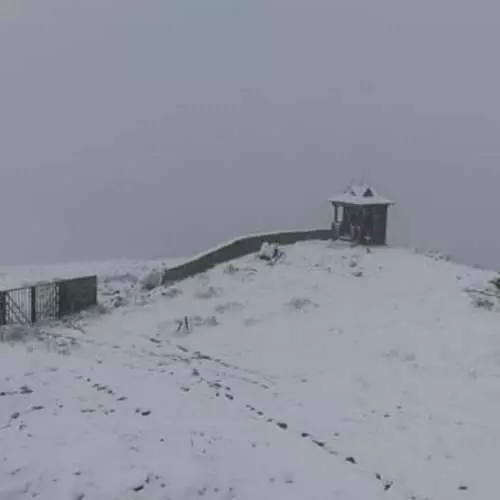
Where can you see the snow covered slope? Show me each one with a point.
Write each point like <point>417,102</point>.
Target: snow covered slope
<point>334,374</point>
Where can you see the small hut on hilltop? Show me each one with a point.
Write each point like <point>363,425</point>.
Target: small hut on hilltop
<point>360,216</point>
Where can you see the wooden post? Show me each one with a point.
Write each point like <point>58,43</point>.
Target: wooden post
<point>3,308</point>
<point>33,304</point>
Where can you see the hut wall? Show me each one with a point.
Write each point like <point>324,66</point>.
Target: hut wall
<point>380,225</point>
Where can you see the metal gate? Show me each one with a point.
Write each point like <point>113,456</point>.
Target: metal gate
<point>47,301</point>
<point>29,305</point>
<point>46,304</point>
<point>15,306</point>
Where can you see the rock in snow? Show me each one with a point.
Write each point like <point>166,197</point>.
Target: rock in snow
<point>152,280</point>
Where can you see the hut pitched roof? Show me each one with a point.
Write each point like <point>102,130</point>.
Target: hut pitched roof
<point>362,195</point>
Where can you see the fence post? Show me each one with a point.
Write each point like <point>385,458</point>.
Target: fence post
<point>3,308</point>
<point>33,304</point>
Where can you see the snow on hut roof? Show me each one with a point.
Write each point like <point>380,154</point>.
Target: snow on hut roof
<point>360,195</point>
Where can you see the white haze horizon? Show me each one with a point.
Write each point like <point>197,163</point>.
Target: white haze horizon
<point>160,129</point>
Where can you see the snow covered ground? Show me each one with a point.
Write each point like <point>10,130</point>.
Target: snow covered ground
<point>334,374</point>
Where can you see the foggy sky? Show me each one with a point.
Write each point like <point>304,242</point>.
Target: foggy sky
<point>158,128</point>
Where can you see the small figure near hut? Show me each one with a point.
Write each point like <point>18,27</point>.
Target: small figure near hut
<point>360,216</point>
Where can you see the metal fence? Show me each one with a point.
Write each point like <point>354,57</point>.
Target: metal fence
<point>47,301</point>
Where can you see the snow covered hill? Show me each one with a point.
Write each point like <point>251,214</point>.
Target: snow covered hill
<point>334,374</point>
